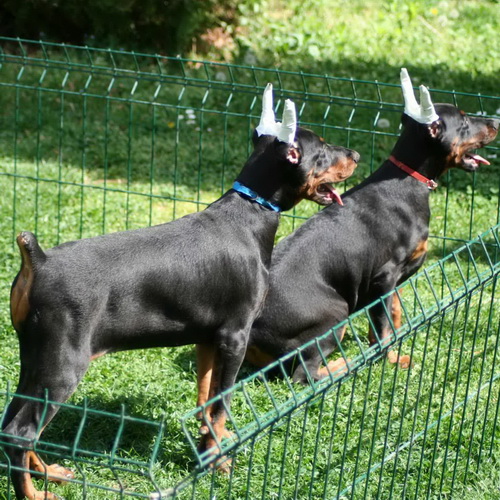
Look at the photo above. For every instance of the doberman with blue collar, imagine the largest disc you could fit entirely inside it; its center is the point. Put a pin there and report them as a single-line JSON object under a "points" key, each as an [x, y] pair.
{"points": [[199, 280], [344, 258]]}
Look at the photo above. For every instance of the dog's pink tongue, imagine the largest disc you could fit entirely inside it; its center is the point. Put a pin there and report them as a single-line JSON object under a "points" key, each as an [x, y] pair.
{"points": [[335, 194], [480, 159], [329, 192], [336, 197]]}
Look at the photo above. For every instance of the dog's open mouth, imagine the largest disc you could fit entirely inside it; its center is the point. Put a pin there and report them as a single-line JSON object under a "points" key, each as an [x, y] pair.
{"points": [[472, 161], [328, 194]]}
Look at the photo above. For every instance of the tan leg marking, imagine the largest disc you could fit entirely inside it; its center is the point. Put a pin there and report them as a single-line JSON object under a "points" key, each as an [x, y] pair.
{"points": [[223, 464], [55, 473], [404, 361], [19, 297], [207, 388], [420, 250], [29, 490], [207, 383], [257, 357], [393, 357], [27, 484], [205, 358], [98, 355], [396, 311], [334, 365]]}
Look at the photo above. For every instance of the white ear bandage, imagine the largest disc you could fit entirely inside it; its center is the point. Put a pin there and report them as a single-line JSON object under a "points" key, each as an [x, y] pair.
{"points": [[423, 112], [285, 131]]}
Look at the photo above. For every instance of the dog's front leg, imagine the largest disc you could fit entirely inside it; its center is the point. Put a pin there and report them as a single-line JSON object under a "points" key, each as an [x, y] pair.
{"points": [[227, 358], [380, 328], [205, 358]]}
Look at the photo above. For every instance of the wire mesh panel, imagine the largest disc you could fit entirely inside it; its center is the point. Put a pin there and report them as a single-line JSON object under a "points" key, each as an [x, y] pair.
{"points": [[375, 431], [98, 140], [378, 431], [88, 449], [95, 141]]}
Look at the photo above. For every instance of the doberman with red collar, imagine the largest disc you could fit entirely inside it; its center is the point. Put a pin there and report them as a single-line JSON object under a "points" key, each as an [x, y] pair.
{"points": [[346, 257], [199, 280]]}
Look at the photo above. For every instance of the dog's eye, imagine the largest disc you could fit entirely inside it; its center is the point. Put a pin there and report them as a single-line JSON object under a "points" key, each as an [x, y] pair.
{"points": [[465, 127]]}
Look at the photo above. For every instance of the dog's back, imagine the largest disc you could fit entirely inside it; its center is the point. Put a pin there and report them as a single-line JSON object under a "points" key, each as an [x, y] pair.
{"points": [[344, 258]]}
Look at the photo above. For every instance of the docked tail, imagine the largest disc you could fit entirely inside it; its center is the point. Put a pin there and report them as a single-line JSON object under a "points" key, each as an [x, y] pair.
{"points": [[31, 252], [32, 257]]}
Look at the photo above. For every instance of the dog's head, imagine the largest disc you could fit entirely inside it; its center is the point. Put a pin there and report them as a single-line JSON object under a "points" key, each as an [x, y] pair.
{"points": [[318, 166], [449, 133], [298, 163], [459, 134]]}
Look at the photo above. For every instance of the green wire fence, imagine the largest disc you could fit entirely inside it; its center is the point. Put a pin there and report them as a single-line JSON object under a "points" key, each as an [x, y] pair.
{"points": [[94, 141], [379, 431], [375, 431]]}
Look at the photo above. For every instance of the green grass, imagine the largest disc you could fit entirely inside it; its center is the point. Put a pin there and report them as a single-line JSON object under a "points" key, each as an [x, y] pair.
{"points": [[77, 164], [156, 382], [446, 44], [354, 426]]}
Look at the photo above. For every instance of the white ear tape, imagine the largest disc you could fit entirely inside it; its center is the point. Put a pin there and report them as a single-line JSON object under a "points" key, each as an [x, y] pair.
{"points": [[423, 112], [289, 125], [285, 131], [267, 124]]}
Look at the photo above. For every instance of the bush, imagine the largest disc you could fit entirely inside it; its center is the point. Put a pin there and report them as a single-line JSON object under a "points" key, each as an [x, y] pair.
{"points": [[164, 26]]}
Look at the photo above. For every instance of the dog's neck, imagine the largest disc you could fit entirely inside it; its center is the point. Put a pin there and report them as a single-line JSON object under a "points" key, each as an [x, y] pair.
{"points": [[422, 155], [269, 176]]}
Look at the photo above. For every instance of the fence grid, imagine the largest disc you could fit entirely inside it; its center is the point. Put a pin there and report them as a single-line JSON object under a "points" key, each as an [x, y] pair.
{"points": [[95, 141]]}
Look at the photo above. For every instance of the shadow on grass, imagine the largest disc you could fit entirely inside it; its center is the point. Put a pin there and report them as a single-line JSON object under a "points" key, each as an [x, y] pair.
{"points": [[102, 434], [123, 137]]}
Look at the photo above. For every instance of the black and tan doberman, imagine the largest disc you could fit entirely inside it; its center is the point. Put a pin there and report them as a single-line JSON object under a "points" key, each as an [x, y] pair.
{"points": [[345, 257], [199, 280]]}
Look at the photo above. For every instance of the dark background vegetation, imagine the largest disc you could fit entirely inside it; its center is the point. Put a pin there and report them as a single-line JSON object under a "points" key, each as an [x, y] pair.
{"points": [[165, 26], [452, 44]]}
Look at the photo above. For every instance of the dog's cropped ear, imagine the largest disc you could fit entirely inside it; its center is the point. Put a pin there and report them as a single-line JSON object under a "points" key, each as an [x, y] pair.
{"points": [[293, 155], [435, 129], [423, 112], [286, 133], [288, 127], [288, 152]]}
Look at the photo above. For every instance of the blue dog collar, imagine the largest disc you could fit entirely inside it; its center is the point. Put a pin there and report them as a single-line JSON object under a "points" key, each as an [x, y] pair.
{"points": [[252, 195]]}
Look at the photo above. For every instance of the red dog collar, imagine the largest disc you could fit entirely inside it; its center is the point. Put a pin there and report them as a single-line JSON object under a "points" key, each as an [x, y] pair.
{"points": [[428, 182]]}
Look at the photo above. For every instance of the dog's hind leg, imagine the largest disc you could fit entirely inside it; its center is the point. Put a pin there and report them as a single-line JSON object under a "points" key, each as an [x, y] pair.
{"points": [[47, 368], [312, 365]]}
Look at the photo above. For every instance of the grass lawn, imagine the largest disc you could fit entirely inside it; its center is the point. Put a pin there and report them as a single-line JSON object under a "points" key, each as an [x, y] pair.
{"points": [[77, 160]]}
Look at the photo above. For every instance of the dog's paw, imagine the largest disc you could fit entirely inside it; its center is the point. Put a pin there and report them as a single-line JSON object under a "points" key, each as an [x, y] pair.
{"points": [[405, 362], [59, 474], [223, 465]]}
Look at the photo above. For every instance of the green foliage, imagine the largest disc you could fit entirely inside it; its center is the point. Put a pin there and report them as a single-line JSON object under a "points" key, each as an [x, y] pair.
{"points": [[166, 26], [444, 41]]}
